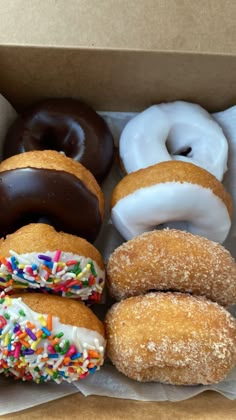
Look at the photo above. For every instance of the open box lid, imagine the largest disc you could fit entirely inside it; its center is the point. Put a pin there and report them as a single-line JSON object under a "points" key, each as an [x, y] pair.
{"points": [[162, 25], [119, 55]]}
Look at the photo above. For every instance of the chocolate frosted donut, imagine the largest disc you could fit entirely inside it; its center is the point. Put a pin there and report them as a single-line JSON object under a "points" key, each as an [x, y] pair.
{"points": [[66, 125], [47, 186]]}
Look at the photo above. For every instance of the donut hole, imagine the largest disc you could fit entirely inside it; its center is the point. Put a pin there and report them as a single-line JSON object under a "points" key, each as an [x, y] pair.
{"points": [[185, 151], [54, 138], [175, 224]]}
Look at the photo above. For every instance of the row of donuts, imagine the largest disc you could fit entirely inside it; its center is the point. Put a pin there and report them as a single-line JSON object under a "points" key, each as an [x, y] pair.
{"points": [[42, 338], [226, 323], [178, 191], [169, 324]]}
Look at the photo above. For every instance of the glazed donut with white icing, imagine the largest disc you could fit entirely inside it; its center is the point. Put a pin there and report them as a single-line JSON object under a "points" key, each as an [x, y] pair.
{"points": [[66, 125], [172, 194], [172, 338], [37, 258], [174, 131], [45, 185], [45, 339], [171, 259]]}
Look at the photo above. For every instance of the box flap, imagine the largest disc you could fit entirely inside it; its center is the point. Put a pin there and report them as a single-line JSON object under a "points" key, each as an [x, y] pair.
{"points": [[163, 25], [208, 405]]}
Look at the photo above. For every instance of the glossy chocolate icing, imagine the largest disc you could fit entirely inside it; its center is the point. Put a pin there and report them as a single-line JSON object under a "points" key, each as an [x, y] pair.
{"points": [[44, 195], [67, 125]]}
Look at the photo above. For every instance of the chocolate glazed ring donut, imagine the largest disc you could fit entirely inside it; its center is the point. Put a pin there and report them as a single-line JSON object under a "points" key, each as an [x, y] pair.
{"points": [[47, 186], [66, 125]]}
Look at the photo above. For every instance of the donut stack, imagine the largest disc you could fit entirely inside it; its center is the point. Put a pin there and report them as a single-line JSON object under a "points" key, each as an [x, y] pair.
{"points": [[172, 283], [52, 209]]}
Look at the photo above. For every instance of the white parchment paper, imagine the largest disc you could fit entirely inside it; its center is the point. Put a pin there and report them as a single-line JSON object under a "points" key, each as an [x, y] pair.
{"points": [[15, 396]]}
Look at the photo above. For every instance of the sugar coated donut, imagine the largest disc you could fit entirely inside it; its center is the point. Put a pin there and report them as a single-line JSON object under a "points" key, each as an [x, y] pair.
{"points": [[174, 131], [48, 186], [174, 194], [7, 116], [43, 339], [67, 125], [172, 260], [171, 338], [36, 257]]}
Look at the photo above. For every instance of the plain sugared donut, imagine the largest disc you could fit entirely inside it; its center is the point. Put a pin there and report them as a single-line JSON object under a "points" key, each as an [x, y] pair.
{"points": [[45, 339], [171, 338], [48, 186], [172, 260], [38, 258], [66, 125], [174, 131], [172, 194]]}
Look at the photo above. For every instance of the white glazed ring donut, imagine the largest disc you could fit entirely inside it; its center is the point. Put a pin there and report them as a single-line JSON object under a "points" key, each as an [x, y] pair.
{"points": [[174, 131], [172, 194]]}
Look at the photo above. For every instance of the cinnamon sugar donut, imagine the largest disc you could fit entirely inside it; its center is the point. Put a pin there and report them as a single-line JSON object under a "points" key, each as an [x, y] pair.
{"points": [[50, 187], [45, 339], [172, 194], [172, 260], [37, 258], [171, 338]]}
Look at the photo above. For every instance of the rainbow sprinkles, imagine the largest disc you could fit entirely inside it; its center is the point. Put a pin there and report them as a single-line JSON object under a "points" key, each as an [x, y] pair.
{"points": [[38, 347], [58, 272]]}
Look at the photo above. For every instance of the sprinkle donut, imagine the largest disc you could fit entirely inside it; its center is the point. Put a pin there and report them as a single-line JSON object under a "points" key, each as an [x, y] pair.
{"points": [[43, 339], [172, 260], [37, 258], [171, 338], [172, 194], [50, 187], [66, 125], [174, 131]]}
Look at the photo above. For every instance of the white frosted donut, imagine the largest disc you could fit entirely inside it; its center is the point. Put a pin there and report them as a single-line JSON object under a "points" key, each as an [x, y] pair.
{"points": [[172, 194], [7, 116], [174, 131]]}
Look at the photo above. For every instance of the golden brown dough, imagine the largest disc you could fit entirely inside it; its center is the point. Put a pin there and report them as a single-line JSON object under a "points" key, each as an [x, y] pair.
{"points": [[171, 171], [45, 339], [172, 194], [172, 260], [37, 257], [40, 237], [171, 338], [75, 313]]}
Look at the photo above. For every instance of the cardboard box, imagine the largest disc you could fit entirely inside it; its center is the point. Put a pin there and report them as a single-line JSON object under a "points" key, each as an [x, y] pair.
{"points": [[121, 55]]}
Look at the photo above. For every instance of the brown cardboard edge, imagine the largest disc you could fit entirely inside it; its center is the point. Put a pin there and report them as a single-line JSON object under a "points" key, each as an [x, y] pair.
{"points": [[116, 49], [129, 80], [169, 23], [208, 405]]}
